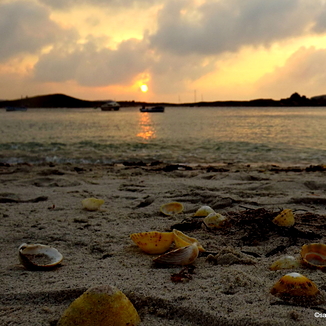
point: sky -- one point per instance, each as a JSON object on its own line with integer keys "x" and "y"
{"x": 182, "y": 50}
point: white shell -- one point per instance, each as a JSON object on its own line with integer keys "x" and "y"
{"x": 214, "y": 220}
{"x": 38, "y": 256}
{"x": 204, "y": 211}
{"x": 92, "y": 204}
{"x": 285, "y": 262}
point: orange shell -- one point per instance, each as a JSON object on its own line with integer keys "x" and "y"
{"x": 297, "y": 289}
{"x": 171, "y": 208}
{"x": 153, "y": 242}
{"x": 183, "y": 240}
{"x": 285, "y": 218}
{"x": 314, "y": 255}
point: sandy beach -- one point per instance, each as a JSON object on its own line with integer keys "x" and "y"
{"x": 42, "y": 204}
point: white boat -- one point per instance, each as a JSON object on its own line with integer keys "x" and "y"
{"x": 110, "y": 106}
{"x": 152, "y": 109}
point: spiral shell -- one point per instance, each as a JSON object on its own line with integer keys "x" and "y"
{"x": 171, "y": 208}
{"x": 285, "y": 218}
{"x": 38, "y": 256}
{"x": 285, "y": 262}
{"x": 153, "y": 242}
{"x": 92, "y": 204}
{"x": 314, "y": 255}
{"x": 203, "y": 211}
{"x": 183, "y": 240}
{"x": 297, "y": 289}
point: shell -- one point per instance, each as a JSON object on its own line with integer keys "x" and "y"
{"x": 297, "y": 289}
{"x": 285, "y": 262}
{"x": 285, "y": 218}
{"x": 214, "y": 220}
{"x": 92, "y": 204}
{"x": 171, "y": 208}
{"x": 100, "y": 306}
{"x": 314, "y": 255}
{"x": 183, "y": 240}
{"x": 204, "y": 211}
{"x": 38, "y": 256}
{"x": 153, "y": 242}
{"x": 181, "y": 256}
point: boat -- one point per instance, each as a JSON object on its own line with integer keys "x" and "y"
{"x": 152, "y": 109}
{"x": 110, "y": 106}
{"x": 15, "y": 108}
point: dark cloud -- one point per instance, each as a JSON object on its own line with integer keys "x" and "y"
{"x": 228, "y": 25}
{"x": 25, "y": 28}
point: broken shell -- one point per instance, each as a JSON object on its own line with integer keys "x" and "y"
{"x": 38, "y": 256}
{"x": 92, "y": 204}
{"x": 183, "y": 240}
{"x": 285, "y": 262}
{"x": 153, "y": 242}
{"x": 285, "y": 218}
{"x": 297, "y": 289}
{"x": 100, "y": 306}
{"x": 214, "y": 220}
{"x": 204, "y": 211}
{"x": 314, "y": 255}
{"x": 171, "y": 208}
{"x": 181, "y": 256}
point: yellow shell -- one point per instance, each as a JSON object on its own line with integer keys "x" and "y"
{"x": 153, "y": 242}
{"x": 297, "y": 289}
{"x": 181, "y": 256}
{"x": 204, "y": 211}
{"x": 285, "y": 218}
{"x": 183, "y": 240}
{"x": 285, "y": 262}
{"x": 314, "y": 255}
{"x": 92, "y": 204}
{"x": 214, "y": 220}
{"x": 171, "y": 208}
{"x": 38, "y": 256}
{"x": 100, "y": 306}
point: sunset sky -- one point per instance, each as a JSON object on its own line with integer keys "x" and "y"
{"x": 182, "y": 50}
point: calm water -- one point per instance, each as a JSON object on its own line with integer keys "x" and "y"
{"x": 181, "y": 135}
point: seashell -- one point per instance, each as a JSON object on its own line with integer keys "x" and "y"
{"x": 285, "y": 262}
{"x": 38, "y": 256}
{"x": 153, "y": 242}
{"x": 171, "y": 208}
{"x": 204, "y": 211}
{"x": 314, "y": 255}
{"x": 297, "y": 289}
{"x": 181, "y": 256}
{"x": 285, "y": 218}
{"x": 214, "y": 220}
{"x": 92, "y": 204}
{"x": 183, "y": 240}
{"x": 100, "y": 306}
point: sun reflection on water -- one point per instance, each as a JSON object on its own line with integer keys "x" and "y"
{"x": 147, "y": 130}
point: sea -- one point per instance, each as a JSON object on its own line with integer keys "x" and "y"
{"x": 188, "y": 135}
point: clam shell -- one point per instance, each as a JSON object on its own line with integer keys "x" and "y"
{"x": 38, "y": 256}
{"x": 92, "y": 204}
{"x": 285, "y": 218}
{"x": 181, "y": 256}
{"x": 204, "y": 211}
{"x": 214, "y": 220}
{"x": 153, "y": 242}
{"x": 183, "y": 240}
{"x": 285, "y": 262}
{"x": 171, "y": 208}
{"x": 100, "y": 306}
{"x": 314, "y": 255}
{"x": 297, "y": 289}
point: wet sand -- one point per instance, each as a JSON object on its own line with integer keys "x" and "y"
{"x": 42, "y": 204}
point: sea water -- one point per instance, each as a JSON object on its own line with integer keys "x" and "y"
{"x": 209, "y": 135}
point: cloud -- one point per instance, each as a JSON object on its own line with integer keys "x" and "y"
{"x": 25, "y": 28}
{"x": 304, "y": 72}
{"x": 227, "y": 25}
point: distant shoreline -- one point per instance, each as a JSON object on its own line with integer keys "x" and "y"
{"x": 65, "y": 101}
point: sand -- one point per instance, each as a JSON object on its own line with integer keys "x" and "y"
{"x": 42, "y": 204}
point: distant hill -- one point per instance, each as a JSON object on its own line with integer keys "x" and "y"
{"x": 65, "y": 101}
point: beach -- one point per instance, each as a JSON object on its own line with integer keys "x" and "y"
{"x": 42, "y": 204}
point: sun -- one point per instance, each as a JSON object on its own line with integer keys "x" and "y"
{"x": 144, "y": 88}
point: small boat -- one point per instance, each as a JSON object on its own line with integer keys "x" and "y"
{"x": 152, "y": 109}
{"x": 15, "y": 108}
{"x": 110, "y": 106}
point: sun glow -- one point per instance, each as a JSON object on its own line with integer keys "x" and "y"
{"x": 144, "y": 88}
